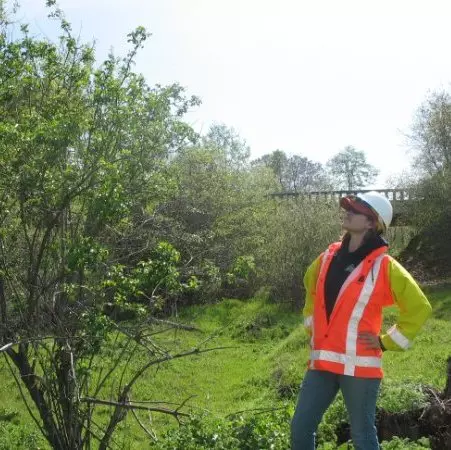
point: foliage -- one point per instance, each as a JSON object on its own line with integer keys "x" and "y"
{"x": 267, "y": 430}
{"x": 430, "y": 135}
{"x": 350, "y": 169}
{"x": 335, "y": 416}
{"x": 277, "y": 162}
{"x": 230, "y": 143}
{"x": 430, "y": 140}
{"x": 308, "y": 227}
{"x": 105, "y": 193}
{"x": 146, "y": 283}
{"x": 303, "y": 175}
{"x": 243, "y": 267}
{"x": 241, "y": 271}
{"x": 215, "y": 214}
{"x": 295, "y": 173}
{"x": 229, "y": 217}
{"x": 405, "y": 444}
{"x": 401, "y": 397}
{"x": 84, "y": 152}
{"x": 431, "y": 203}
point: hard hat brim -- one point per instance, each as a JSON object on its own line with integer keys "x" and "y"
{"x": 353, "y": 203}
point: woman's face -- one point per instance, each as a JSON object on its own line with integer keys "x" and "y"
{"x": 355, "y": 222}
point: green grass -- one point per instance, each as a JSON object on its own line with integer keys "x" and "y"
{"x": 261, "y": 366}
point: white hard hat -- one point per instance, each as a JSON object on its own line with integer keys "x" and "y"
{"x": 380, "y": 204}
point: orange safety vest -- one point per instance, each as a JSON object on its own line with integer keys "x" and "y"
{"x": 358, "y": 308}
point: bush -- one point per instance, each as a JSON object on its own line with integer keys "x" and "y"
{"x": 333, "y": 418}
{"x": 261, "y": 431}
{"x": 401, "y": 397}
{"x": 198, "y": 433}
{"x": 268, "y": 431}
{"x": 296, "y": 233}
{"x": 405, "y": 444}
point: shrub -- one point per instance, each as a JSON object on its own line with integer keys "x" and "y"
{"x": 401, "y": 397}
{"x": 405, "y": 444}
{"x": 261, "y": 431}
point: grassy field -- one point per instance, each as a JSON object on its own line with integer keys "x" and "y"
{"x": 260, "y": 368}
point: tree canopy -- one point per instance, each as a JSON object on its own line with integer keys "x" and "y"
{"x": 350, "y": 169}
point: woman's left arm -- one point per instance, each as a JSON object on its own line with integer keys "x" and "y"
{"x": 413, "y": 305}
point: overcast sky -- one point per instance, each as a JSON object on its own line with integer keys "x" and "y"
{"x": 306, "y": 77}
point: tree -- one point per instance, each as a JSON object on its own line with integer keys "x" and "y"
{"x": 229, "y": 142}
{"x": 430, "y": 137}
{"x": 214, "y": 211}
{"x": 277, "y": 162}
{"x": 295, "y": 173}
{"x": 350, "y": 169}
{"x": 83, "y": 156}
{"x": 304, "y": 175}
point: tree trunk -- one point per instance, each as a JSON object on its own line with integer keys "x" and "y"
{"x": 447, "y": 391}
{"x": 33, "y": 385}
{"x": 67, "y": 398}
{"x": 62, "y": 429}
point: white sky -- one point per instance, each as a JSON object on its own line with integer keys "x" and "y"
{"x": 306, "y": 77}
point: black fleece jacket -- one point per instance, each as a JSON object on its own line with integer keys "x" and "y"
{"x": 343, "y": 263}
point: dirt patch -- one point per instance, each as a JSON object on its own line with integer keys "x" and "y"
{"x": 433, "y": 421}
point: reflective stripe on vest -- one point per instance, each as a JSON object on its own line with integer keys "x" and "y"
{"x": 347, "y": 360}
{"x": 350, "y": 358}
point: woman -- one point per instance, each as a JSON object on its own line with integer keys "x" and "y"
{"x": 346, "y": 288}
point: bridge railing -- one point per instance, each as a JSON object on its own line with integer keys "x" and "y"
{"x": 394, "y": 195}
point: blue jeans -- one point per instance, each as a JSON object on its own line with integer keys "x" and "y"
{"x": 318, "y": 390}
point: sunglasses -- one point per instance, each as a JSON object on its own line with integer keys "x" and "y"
{"x": 371, "y": 215}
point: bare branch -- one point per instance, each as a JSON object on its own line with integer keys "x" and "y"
{"x": 126, "y": 365}
{"x": 195, "y": 351}
{"x": 137, "y": 338}
{"x": 112, "y": 369}
{"x": 118, "y": 414}
{"x": 149, "y": 433}
{"x": 129, "y": 405}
